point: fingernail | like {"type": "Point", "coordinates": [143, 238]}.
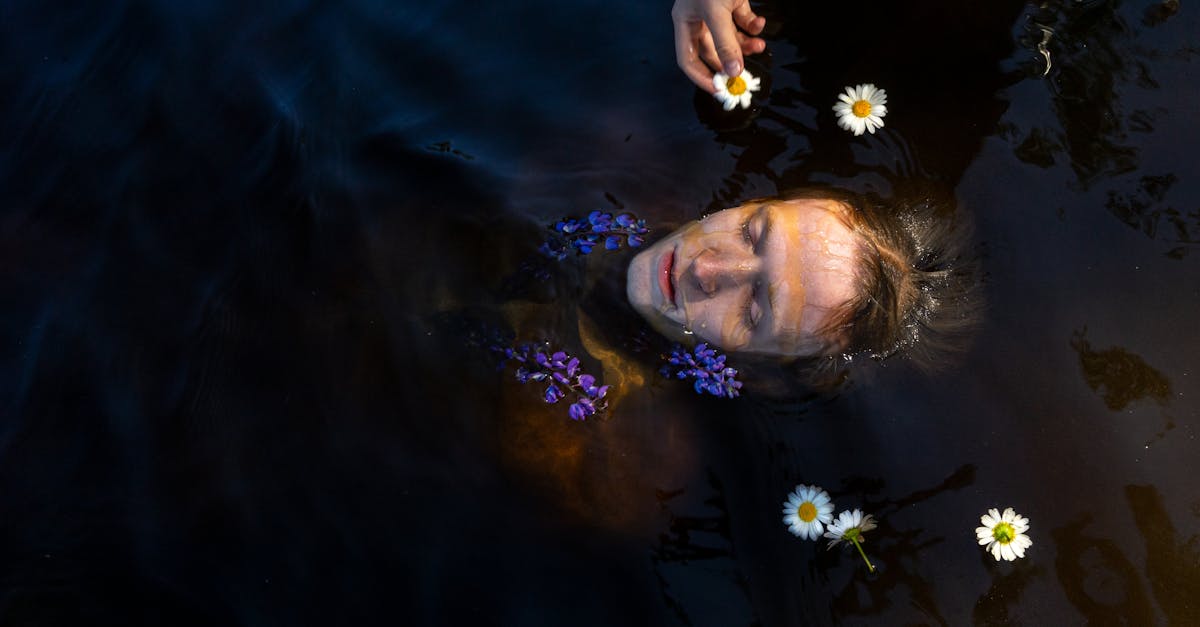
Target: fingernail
{"type": "Point", "coordinates": [733, 68]}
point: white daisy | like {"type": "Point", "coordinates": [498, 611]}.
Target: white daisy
{"type": "Point", "coordinates": [861, 108]}
{"type": "Point", "coordinates": [734, 91]}
{"type": "Point", "coordinates": [850, 527]}
{"type": "Point", "coordinates": [1004, 534]}
{"type": "Point", "coordinates": [807, 509]}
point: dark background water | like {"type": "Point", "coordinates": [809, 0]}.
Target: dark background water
{"type": "Point", "coordinates": [238, 249]}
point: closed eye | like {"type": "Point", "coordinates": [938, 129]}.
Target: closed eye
{"type": "Point", "coordinates": [751, 313]}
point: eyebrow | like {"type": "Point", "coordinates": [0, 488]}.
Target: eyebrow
{"type": "Point", "coordinates": [769, 221]}
{"type": "Point", "coordinates": [764, 211]}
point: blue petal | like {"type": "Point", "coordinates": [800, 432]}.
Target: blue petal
{"type": "Point", "coordinates": [612, 242]}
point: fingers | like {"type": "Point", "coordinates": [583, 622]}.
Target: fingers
{"type": "Point", "coordinates": [708, 52]}
{"type": "Point", "coordinates": [724, 34]}
{"type": "Point", "coordinates": [687, 38]}
{"type": "Point", "coordinates": [708, 39]}
{"type": "Point", "coordinates": [747, 20]}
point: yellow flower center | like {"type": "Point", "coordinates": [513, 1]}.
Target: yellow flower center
{"type": "Point", "coordinates": [807, 511]}
{"type": "Point", "coordinates": [735, 85]}
{"type": "Point", "coordinates": [1004, 533]}
{"type": "Point", "coordinates": [862, 108]}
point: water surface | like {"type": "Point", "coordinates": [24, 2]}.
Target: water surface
{"type": "Point", "coordinates": [239, 251]}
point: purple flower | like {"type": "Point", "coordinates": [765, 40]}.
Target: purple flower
{"type": "Point", "coordinates": [581, 409]}
{"type": "Point", "coordinates": [598, 228]}
{"type": "Point", "coordinates": [561, 371]}
{"type": "Point", "coordinates": [706, 367]}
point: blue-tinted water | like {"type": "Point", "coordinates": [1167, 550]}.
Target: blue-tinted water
{"type": "Point", "coordinates": [239, 252]}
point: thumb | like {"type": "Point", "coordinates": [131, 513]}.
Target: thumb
{"type": "Point", "coordinates": [724, 34]}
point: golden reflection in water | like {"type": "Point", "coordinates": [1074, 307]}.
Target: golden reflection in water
{"type": "Point", "coordinates": [605, 471]}
{"type": "Point", "coordinates": [1172, 563]}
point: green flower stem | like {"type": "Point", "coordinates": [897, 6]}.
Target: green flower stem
{"type": "Point", "coordinates": [864, 555]}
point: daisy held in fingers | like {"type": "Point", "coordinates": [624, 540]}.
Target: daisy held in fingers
{"type": "Point", "coordinates": [861, 108]}
{"type": "Point", "coordinates": [850, 527]}
{"type": "Point", "coordinates": [806, 511]}
{"type": "Point", "coordinates": [735, 90]}
{"type": "Point", "coordinates": [1004, 534]}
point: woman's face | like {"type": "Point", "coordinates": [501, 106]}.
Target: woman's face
{"type": "Point", "coordinates": [761, 278]}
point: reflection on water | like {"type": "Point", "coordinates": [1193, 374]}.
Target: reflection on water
{"type": "Point", "coordinates": [1105, 94]}
{"type": "Point", "coordinates": [897, 553]}
{"type": "Point", "coordinates": [1147, 210]}
{"type": "Point", "coordinates": [1119, 376]}
{"type": "Point", "coordinates": [242, 251]}
{"type": "Point", "coordinates": [1103, 583]}
{"type": "Point", "coordinates": [1098, 577]}
{"type": "Point", "coordinates": [997, 606]}
{"type": "Point", "coordinates": [1172, 562]}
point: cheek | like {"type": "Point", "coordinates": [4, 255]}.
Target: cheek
{"type": "Point", "coordinates": [717, 321]}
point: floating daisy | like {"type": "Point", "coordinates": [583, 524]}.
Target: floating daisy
{"type": "Point", "coordinates": [861, 108]}
{"type": "Point", "coordinates": [850, 527]}
{"type": "Point", "coordinates": [736, 90]}
{"type": "Point", "coordinates": [1004, 534]}
{"type": "Point", "coordinates": [807, 509]}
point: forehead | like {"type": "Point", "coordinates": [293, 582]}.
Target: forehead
{"type": "Point", "coordinates": [810, 273]}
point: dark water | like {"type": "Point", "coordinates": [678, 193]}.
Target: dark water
{"type": "Point", "coordinates": [239, 252]}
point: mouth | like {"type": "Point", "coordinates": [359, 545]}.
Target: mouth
{"type": "Point", "coordinates": [666, 282]}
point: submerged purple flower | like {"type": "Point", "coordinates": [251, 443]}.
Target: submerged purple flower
{"type": "Point", "coordinates": [704, 365]}
{"type": "Point", "coordinates": [562, 372]}
{"type": "Point", "coordinates": [598, 229]}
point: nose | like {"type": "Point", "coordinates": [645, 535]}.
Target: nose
{"type": "Point", "coordinates": [715, 270]}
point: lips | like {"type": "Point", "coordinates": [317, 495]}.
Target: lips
{"type": "Point", "coordinates": [665, 266]}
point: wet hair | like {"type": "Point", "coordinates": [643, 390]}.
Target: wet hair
{"type": "Point", "coordinates": [918, 286]}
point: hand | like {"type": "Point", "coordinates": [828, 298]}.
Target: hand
{"type": "Point", "coordinates": [707, 40]}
